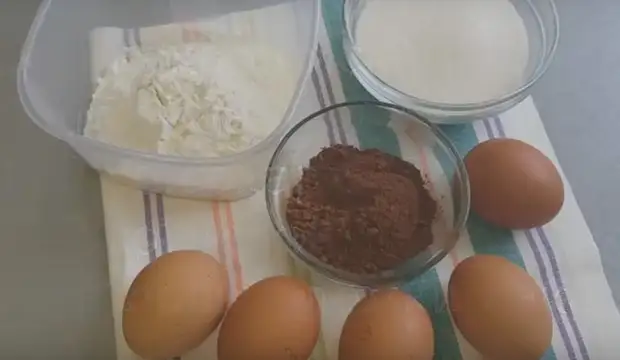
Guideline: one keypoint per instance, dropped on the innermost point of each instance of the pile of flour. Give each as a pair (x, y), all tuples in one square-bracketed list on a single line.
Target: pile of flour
[(196, 100), (447, 51)]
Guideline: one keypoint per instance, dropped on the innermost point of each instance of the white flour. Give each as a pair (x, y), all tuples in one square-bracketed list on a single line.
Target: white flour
[(448, 51), (197, 100)]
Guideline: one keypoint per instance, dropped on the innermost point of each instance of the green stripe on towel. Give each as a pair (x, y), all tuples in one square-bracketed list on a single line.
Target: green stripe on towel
[(485, 238), (372, 133), (370, 126)]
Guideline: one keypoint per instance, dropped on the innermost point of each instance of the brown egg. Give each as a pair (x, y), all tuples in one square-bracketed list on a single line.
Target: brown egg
[(499, 309), (277, 319), (513, 184), (388, 324), (174, 304)]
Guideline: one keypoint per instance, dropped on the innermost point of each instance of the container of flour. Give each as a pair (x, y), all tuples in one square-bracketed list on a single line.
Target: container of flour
[(451, 60), (72, 44)]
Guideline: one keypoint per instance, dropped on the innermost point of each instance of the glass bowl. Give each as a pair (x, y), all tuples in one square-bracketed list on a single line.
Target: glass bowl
[(416, 140), (541, 23), (57, 65)]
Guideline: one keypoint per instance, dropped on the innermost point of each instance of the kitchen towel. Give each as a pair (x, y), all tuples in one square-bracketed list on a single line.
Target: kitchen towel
[(561, 256)]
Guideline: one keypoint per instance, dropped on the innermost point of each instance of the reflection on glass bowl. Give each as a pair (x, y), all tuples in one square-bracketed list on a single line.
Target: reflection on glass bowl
[(421, 144)]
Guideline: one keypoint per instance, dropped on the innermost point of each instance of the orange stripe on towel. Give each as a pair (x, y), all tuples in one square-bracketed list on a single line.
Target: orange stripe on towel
[(230, 226), (219, 234)]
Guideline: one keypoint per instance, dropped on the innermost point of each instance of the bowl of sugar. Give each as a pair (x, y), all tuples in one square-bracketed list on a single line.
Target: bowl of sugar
[(454, 61)]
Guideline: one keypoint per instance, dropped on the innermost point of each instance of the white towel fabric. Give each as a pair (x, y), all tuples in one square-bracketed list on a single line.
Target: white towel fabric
[(562, 256)]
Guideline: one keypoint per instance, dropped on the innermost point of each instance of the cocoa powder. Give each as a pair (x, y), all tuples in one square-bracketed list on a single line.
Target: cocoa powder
[(362, 211)]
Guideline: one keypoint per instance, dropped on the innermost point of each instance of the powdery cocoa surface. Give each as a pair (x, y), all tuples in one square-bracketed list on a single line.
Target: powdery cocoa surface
[(361, 211)]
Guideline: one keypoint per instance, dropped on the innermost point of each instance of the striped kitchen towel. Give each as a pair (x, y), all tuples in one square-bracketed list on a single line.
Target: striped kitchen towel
[(561, 256)]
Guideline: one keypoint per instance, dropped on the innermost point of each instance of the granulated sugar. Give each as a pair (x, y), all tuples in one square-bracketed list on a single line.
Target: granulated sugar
[(447, 51)]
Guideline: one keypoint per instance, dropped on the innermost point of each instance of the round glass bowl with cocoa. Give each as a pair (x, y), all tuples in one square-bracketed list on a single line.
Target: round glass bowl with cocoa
[(378, 164)]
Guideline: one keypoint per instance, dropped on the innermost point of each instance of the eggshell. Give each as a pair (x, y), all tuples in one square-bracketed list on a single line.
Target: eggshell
[(174, 304), (277, 319), (513, 184), (388, 324), (499, 309)]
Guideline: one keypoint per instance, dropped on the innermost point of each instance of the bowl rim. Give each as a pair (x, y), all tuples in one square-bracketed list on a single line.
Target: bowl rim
[(388, 277), (392, 92), (77, 140)]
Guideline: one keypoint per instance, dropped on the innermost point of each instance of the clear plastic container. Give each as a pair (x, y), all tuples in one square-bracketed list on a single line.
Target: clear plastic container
[(54, 84)]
